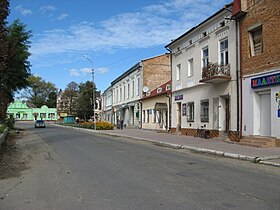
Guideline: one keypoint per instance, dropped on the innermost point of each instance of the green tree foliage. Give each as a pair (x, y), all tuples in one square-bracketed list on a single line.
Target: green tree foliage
[(4, 99), (69, 99), (40, 92), (84, 101), (17, 69)]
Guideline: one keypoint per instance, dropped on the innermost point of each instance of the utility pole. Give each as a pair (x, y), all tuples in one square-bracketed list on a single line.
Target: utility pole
[(93, 91)]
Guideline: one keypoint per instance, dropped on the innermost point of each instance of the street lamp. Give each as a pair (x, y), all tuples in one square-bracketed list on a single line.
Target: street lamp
[(93, 91)]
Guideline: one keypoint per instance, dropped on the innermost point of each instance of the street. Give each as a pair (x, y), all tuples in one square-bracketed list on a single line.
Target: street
[(70, 169)]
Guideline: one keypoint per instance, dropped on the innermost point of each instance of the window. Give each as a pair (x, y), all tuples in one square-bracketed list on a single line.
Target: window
[(255, 40), (190, 112), (120, 93), (178, 72), (138, 86), (133, 86), (42, 115), (159, 90), (51, 115), (124, 92), (148, 115), (168, 87), (190, 67), (224, 52), (154, 115), (128, 90), (117, 95), (25, 116), (205, 57), (144, 116), (204, 111)]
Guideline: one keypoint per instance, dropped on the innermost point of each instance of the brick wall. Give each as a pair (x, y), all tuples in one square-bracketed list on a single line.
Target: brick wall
[(266, 13), (156, 71)]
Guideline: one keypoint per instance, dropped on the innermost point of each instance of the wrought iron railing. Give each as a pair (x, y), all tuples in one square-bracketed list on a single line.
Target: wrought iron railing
[(214, 69)]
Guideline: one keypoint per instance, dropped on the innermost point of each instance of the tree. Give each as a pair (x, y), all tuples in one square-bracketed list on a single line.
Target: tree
[(40, 92), (84, 101), (17, 69), (4, 12), (69, 99)]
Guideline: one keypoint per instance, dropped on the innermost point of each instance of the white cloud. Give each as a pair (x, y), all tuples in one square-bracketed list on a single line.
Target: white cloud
[(74, 73), (24, 11), (62, 16), (85, 71), (102, 70), (150, 26), (47, 9)]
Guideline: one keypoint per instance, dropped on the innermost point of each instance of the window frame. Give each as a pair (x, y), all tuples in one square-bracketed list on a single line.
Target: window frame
[(190, 112), (252, 38), (190, 67), (204, 110), (223, 54)]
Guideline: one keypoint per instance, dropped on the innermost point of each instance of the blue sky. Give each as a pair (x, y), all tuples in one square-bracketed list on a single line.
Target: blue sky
[(114, 35)]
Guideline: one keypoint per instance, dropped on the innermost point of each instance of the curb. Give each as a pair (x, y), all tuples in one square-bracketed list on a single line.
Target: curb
[(3, 136), (252, 159)]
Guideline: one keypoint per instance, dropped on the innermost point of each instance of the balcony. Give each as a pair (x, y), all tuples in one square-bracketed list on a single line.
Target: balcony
[(215, 73)]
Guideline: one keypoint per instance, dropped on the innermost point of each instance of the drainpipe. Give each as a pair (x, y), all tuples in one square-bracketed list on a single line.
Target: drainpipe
[(170, 95), (237, 37)]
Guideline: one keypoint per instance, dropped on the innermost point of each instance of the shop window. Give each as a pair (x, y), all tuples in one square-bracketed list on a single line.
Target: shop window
[(42, 115)]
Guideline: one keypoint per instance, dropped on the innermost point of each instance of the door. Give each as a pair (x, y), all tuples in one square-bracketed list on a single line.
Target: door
[(178, 128), (265, 114)]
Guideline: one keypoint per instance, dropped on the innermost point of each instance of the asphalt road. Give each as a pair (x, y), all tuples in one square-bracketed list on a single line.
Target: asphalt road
[(80, 170)]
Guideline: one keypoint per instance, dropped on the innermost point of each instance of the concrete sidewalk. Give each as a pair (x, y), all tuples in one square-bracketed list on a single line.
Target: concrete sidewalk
[(270, 156)]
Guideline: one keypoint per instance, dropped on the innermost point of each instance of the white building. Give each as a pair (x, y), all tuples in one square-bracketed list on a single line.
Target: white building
[(126, 91), (106, 105), (204, 72), (127, 88)]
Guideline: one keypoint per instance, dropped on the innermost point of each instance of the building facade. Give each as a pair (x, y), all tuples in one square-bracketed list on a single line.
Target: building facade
[(127, 89), (204, 78), (106, 107), (19, 110), (260, 66), (156, 108)]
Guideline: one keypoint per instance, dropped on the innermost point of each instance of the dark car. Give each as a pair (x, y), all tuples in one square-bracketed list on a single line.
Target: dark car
[(40, 124)]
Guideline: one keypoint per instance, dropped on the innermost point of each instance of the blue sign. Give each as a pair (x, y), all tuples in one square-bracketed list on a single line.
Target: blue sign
[(278, 112), (178, 97), (265, 81)]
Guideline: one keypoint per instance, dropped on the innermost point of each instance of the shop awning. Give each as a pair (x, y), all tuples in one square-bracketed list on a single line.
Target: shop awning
[(161, 107)]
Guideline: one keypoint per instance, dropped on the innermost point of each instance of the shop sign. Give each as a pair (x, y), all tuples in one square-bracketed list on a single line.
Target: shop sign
[(179, 97), (263, 81)]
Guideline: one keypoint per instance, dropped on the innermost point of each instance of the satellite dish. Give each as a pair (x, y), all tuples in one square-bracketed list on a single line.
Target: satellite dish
[(145, 89)]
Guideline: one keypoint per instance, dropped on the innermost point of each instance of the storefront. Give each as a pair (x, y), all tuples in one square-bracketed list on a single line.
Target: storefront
[(261, 105)]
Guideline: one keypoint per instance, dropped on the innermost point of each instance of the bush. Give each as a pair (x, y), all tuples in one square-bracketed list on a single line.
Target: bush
[(9, 123), (104, 126), (99, 125), (2, 128)]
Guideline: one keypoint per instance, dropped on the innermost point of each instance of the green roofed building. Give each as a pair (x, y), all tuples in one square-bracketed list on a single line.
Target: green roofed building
[(29, 112)]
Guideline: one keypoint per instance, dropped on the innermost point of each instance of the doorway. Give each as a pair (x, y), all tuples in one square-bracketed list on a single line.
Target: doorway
[(179, 116), (265, 113)]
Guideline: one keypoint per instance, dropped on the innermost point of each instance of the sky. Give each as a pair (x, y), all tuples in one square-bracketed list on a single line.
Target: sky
[(113, 34)]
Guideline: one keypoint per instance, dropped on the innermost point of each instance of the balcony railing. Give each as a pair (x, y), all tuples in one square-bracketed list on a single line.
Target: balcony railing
[(215, 73)]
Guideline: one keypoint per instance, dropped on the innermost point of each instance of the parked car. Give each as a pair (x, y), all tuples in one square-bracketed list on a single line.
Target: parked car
[(40, 124)]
